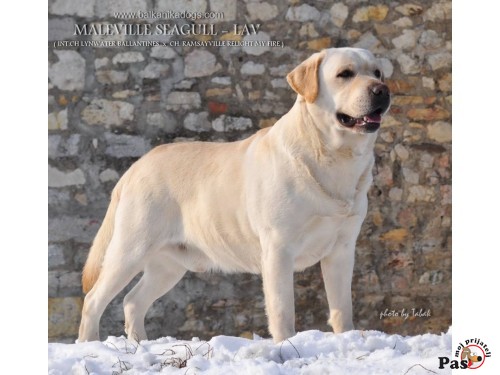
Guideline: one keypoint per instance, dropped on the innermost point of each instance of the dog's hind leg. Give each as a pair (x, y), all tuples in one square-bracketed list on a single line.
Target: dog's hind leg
[(117, 271), (160, 275)]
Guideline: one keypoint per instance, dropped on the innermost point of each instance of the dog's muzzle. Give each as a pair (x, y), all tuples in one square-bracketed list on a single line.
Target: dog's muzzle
[(380, 100)]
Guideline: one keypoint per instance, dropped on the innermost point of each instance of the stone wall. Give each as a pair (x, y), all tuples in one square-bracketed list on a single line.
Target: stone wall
[(108, 105)]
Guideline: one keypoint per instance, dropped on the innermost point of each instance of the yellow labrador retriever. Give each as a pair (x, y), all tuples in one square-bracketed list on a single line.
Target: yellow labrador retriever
[(282, 200)]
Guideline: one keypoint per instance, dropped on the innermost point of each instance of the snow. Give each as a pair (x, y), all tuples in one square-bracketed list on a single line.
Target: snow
[(309, 352)]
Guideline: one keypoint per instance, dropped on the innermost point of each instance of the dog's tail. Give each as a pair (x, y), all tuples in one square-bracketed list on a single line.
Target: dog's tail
[(93, 265)]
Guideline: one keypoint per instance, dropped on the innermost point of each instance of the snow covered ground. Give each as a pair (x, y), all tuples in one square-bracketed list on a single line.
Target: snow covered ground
[(310, 352)]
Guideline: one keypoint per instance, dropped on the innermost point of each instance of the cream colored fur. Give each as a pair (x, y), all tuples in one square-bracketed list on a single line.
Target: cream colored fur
[(282, 200)]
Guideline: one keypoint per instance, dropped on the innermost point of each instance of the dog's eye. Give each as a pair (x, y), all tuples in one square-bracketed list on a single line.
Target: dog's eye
[(347, 73), (377, 73)]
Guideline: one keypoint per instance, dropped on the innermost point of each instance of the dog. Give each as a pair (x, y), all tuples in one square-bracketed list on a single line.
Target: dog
[(283, 199), (471, 357)]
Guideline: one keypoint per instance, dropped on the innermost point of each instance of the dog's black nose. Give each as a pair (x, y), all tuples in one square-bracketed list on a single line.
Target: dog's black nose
[(479, 358), (380, 89), (379, 96)]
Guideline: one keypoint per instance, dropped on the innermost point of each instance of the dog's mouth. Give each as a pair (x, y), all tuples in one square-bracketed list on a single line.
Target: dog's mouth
[(366, 124)]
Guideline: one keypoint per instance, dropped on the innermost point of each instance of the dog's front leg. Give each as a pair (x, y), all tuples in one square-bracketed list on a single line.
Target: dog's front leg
[(277, 277), (337, 274)]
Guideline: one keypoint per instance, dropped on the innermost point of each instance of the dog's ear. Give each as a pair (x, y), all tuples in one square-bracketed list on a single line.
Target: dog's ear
[(465, 353), (304, 79)]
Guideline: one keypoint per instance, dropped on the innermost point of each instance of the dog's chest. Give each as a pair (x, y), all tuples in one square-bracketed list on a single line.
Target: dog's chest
[(335, 208), (339, 180), (317, 239)]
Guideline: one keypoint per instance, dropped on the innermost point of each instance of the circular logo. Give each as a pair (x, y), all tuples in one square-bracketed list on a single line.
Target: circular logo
[(474, 355)]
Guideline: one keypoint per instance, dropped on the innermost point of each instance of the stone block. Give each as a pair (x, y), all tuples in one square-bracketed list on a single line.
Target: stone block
[(317, 44), (428, 83), (405, 100), (72, 8), (64, 316), (410, 176), (107, 8), (250, 68), (254, 95), (228, 7), (421, 194), (409, 9), (155, 70), (111, 76), (440, 132), (262, 37), (445, 191), (225, 81), (124, 145), (64, 283), (56, 255), (430, 39), (281, 70), (302, 13), (217, 108), (197, 122), (181, 6), (383, 176), (261, 11), (127, 58), (155, 119), (439, 11), (279, 83), (231, 36), (431, 277), (186, 84), (307, 31), (109, 175), (200, 63), (229, 123), (389, 121), (402, 86), (439, 60), (339, 13), (396, 194), (444, 82), (58, 120), (101, 62), (406, 41), (226, 91), (64, 228), (59, 178), (124, 94), (407, 64), (68, 73), (387, 67), (428, 114), (163, 52), (368, 41), (177, 100), (107, 112), (61, 28), (370, 13), (402, 152), (403, 23), (54, 141)]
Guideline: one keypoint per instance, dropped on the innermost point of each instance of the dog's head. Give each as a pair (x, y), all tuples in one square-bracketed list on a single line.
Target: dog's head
[(467, 354), (345, 86)]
